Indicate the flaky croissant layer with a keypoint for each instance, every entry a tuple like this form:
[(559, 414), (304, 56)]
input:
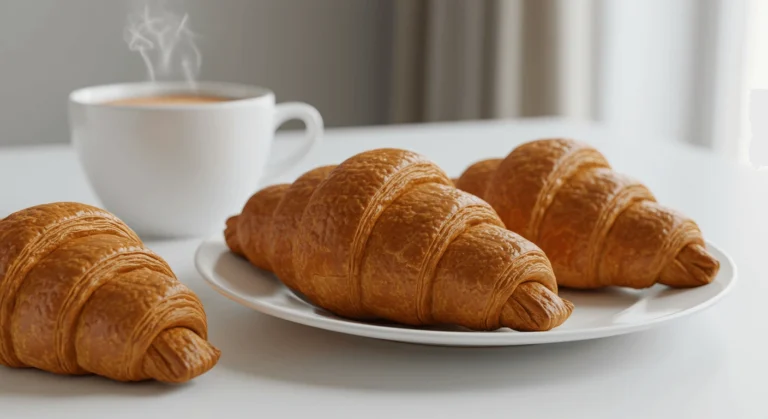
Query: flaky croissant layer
[(385, 235), (80, 294), (598, 227)]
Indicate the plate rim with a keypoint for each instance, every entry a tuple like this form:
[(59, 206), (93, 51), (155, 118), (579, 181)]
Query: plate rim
[(445, 337)]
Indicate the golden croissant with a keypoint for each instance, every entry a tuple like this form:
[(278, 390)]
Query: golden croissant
[(80, 294), (386, 236), (598, 227)]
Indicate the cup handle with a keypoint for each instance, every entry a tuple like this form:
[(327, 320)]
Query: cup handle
[(314, 127)]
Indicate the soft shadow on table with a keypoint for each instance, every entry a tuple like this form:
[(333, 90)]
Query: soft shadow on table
[(270, 348), (35, 383)]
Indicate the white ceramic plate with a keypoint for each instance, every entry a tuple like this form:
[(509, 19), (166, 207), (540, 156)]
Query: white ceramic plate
[(597, 314)]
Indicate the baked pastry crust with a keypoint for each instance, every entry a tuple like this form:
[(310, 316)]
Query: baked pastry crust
[(385, 235), (598, 227), (80, 294)]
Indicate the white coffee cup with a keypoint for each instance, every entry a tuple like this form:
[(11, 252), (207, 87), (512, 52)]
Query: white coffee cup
[(179, 170)]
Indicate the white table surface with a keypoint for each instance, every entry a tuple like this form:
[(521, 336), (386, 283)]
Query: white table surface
[(711, 365)]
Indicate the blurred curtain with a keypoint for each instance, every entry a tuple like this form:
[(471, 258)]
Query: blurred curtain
[(456, 59), (667, 69)]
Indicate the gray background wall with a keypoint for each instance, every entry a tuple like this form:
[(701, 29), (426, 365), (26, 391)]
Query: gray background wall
[(333, 54), (656, 70)]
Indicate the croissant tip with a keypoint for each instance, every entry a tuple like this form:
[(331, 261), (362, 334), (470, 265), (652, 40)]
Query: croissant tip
[(568, 306), (230, 234), (694, 266), (535, 308), (179, 355)]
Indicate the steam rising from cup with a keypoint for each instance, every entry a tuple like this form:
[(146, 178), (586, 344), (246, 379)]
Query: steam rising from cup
[(165, 43)]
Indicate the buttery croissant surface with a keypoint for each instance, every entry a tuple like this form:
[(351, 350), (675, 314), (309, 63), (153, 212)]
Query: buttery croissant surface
[(80, 294), (598, 227), (385, 235)]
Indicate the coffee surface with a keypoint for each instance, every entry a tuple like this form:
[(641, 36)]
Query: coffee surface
[(168, 100)]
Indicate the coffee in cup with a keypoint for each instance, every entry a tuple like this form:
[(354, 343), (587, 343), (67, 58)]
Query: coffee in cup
[(177, 99)]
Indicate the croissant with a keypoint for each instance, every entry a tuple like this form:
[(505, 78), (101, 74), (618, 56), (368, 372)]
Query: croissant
[(598, 227), (386, 236), (79, 294)]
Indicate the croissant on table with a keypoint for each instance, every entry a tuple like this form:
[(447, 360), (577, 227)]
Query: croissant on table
[(598, 227), (80, 294), (386, 236)]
